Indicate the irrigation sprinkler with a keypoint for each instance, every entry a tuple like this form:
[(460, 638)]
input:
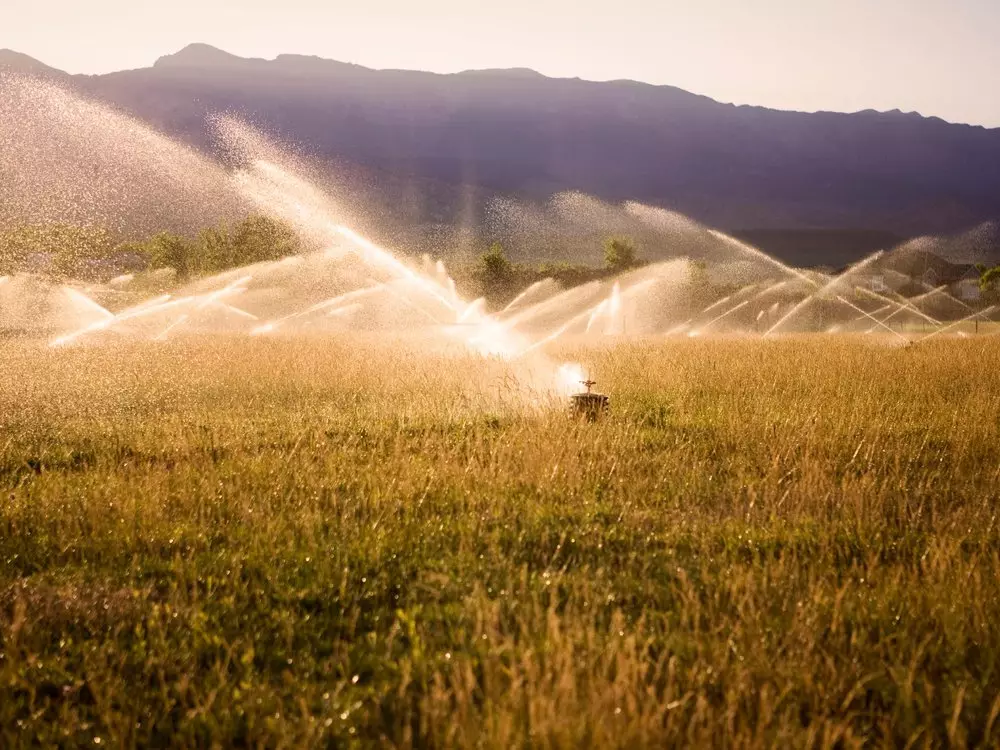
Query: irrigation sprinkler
[(588, 404)]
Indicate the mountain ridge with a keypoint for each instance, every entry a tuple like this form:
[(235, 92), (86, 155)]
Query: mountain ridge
[(10, 58), (519, 132)]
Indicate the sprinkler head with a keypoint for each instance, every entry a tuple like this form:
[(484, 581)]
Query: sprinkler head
[(589, 405)]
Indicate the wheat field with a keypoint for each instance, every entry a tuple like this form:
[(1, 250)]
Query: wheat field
[(300, 542)]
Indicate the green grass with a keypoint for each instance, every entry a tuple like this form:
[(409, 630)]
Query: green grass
[(337, 542)]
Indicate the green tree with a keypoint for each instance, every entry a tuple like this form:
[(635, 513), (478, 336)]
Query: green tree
[(619, 253), (495, 275), (494, 267), (988, 280), (261, 238), (255, 239), (214, 251), (166, 250)]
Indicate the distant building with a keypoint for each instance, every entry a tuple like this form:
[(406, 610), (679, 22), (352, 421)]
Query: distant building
[(968, 290), (967, 286), (878, 284)]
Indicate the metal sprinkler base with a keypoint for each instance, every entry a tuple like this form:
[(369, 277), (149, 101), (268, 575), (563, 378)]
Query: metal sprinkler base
[(588, 405)]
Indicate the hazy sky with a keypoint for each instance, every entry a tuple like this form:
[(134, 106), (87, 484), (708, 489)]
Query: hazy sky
[(938, 57)]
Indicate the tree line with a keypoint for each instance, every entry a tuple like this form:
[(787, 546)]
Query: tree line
[(989, 279), (96, 253), (496, 278)]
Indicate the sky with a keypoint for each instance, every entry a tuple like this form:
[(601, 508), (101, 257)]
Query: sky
[(936, 57)]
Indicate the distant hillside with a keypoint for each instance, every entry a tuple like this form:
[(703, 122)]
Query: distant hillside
[(20, 63), (438, 146)]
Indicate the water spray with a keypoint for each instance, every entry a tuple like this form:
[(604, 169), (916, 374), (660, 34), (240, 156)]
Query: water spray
[(975, 316), (872, 317)]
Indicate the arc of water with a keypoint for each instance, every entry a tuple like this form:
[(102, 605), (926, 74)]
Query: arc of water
[(79, 296), (935, 290), (728, 298), (976, 314), (551, 302), (520, 298), (726, 314), (871, 314), (387, 260), (913, 300), (346, 309), (596, 314), (714, 305), (872, 317), (155, 305), (318, 307), (561, 330), (236, 310), (615, 323), (822, 290), (689, 321), (901, 305), (941, 290), (587, 314), (162, 336), (475, 309), (307, 206), (890, 316), (206, 300), (764, 292), (215, 303), (417, 308), (143, 308), (234, 287), (750, 249)]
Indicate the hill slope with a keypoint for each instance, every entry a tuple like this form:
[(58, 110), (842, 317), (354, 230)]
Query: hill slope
[(516, 131)]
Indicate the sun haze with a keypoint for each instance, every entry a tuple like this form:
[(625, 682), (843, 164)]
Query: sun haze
[(932, 56)]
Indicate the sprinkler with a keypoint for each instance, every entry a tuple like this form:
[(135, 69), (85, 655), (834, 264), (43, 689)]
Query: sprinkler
[(589, 405)]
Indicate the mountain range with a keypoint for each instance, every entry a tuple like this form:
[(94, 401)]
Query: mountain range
[(440, 146)]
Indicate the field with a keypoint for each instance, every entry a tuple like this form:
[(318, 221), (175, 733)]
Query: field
[(295, 542)]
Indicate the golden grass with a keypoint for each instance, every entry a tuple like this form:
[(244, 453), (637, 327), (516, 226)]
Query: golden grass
[(294, 542)]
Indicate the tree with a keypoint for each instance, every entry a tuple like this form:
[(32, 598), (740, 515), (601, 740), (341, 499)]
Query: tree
[(494, 273), (619, 254), (988, 279), (167, 250), (495, 264), (255, 239), (214, 251), (261, 238), (494, 268), (93, 252)]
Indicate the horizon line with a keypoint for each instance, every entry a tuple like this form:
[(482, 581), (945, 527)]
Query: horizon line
[(896, 111)]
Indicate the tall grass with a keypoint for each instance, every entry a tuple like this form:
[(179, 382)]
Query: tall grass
[(295, 542)]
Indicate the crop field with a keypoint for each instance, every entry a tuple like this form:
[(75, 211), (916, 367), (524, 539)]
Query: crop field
[(344, 541)]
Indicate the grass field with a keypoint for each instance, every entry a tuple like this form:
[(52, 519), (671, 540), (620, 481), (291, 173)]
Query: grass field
[(301, 542)]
